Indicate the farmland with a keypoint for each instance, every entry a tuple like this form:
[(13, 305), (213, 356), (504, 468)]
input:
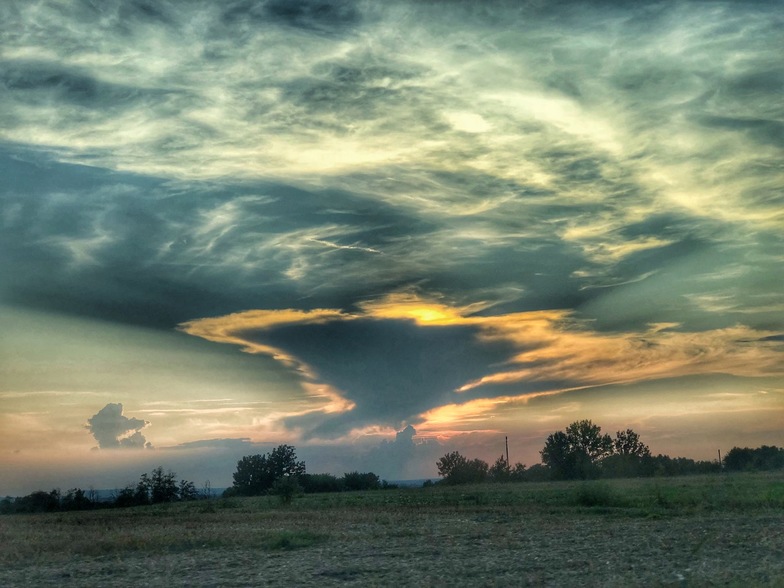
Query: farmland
[(706, 530)]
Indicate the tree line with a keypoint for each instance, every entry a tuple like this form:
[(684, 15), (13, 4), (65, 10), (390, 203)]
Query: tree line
[(154, 488), (280, 473), (582, 452)]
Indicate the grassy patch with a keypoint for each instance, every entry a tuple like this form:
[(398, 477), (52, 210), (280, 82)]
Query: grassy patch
[(287, 540), (597, 494)]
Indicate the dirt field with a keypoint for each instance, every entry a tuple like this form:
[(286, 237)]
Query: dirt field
[(401, 538)]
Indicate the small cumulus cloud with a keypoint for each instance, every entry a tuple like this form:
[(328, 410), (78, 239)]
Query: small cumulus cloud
[(112, 429)]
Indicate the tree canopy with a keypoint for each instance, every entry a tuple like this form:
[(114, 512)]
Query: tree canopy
[(576, 452), (256, 474), (458, 469)]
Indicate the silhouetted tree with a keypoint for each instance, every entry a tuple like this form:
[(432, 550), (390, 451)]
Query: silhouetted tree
[(358, 481), (156, 487), (632, 457), (457, 469), (628, 443), (664, 465), (187, 491), (500, 471), (538, 473), (575, 453), (38, 501), (141, 495), (162, 486), (255, 474), (312, 483), (449, 463), (518, 472), (763, 458), (125, 497), (76, 499)]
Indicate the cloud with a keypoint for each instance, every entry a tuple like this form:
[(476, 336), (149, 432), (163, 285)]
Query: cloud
[(519, 189), (403, 458), (406, 359), (112, 429)]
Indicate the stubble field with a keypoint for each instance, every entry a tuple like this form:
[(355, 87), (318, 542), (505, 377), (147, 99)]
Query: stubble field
[(699, 531)]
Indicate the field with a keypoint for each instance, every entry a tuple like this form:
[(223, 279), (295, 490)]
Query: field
[(696, 531)]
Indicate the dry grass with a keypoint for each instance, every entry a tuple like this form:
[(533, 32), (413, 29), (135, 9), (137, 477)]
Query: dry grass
[(696, 531)]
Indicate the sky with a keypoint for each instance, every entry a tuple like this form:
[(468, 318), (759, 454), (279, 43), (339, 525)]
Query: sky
[(383, 231)]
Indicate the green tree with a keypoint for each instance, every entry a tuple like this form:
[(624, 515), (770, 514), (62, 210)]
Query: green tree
[(256, 474)]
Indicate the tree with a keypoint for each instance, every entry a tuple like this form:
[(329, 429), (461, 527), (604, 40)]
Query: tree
[(256, 474), (162, 486), (361, 481), (457, 469), (762, 458), (628, 443), (588, 439), (631, 457), (312, 483), (559, 456), (286, 488), (500, 470), (75, 499), (38, 501), (449, 463), (187, 491), (518, 473), (141, 495), (575, 452)]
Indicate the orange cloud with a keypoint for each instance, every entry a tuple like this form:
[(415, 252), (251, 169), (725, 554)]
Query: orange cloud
[(552, 346)]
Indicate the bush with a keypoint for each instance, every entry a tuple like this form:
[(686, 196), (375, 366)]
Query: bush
[(286, 488)]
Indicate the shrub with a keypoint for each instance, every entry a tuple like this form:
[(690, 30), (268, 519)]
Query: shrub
[(286, 488)]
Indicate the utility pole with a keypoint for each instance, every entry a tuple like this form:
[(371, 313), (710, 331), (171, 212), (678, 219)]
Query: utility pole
[(721, 466), (506, 439)]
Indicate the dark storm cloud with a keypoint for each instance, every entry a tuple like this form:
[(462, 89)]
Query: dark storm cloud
[(391, 370), (135, 249), (113, 430)]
